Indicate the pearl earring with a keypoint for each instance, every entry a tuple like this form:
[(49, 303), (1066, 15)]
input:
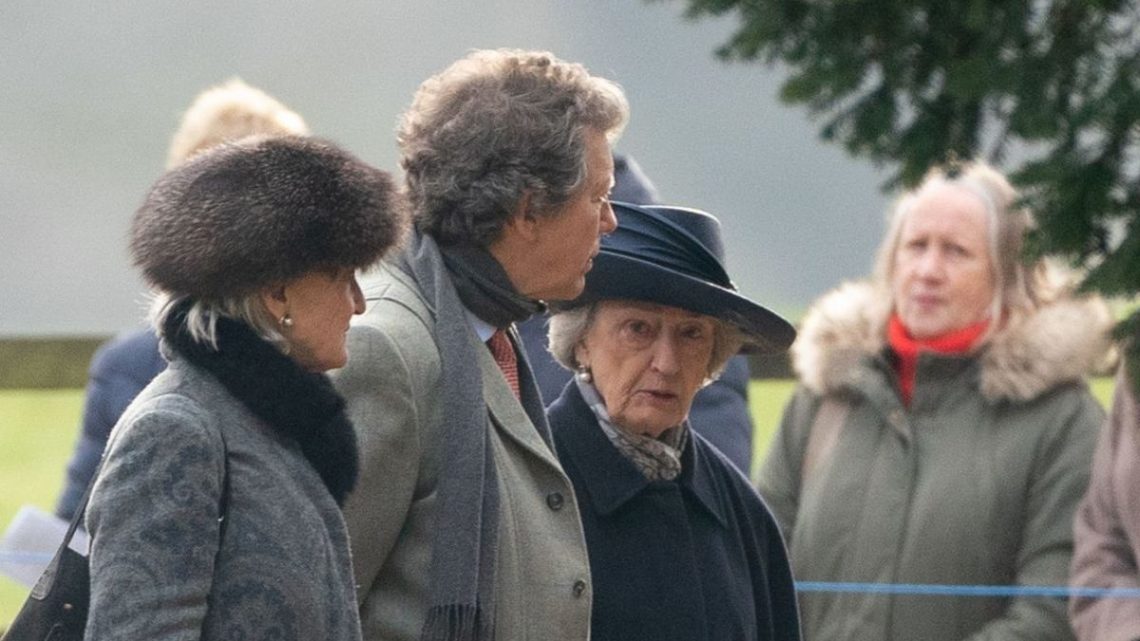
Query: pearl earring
[(286, 321), (584, 374)]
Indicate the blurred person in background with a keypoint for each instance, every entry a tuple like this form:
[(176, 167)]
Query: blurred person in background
[(942, 430), (1107, 526), (216, 513), (720, 411), (124, 365), (681, 545), (455, 526)]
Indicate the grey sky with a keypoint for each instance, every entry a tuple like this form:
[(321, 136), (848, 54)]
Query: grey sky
[(91, 93)]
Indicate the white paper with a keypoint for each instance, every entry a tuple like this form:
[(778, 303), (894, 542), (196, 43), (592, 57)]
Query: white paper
[(31, 541)]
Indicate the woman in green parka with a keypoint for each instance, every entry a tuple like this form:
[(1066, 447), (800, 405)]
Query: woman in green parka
[(942, 431)]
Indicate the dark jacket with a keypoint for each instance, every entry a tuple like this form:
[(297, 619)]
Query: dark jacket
[(120, 369), (719, 412), (696, 558)]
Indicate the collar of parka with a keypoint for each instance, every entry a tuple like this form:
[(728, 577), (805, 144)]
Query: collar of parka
[(1061, 342)]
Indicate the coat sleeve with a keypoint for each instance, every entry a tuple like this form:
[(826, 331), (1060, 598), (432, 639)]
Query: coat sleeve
[(1060, 476), (153, 518), (383, 403), (779, 478), (1102, 555)]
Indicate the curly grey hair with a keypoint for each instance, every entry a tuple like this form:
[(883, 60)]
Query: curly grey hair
[(569, 328), (494, 126)]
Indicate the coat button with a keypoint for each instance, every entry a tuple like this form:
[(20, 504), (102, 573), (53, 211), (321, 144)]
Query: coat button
[(579, 588), (555, 501)]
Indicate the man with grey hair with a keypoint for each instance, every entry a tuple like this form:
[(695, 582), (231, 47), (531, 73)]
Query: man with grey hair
[(463, 524)]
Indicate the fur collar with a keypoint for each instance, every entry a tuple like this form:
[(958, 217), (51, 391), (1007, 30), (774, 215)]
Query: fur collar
[(1062, 342), (296, 403)]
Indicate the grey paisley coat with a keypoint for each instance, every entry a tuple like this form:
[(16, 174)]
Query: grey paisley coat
[(280, 569)]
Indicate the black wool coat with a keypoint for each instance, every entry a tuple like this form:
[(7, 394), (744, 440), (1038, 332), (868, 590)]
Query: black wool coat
[(697, 558)]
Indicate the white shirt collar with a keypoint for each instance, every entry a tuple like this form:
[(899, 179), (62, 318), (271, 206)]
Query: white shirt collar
[(482, 328)]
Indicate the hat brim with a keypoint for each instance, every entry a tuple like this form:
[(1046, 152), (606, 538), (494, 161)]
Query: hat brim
[(617, 276)]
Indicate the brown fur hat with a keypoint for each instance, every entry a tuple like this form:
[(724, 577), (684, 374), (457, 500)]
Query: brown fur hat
[(252, 214)]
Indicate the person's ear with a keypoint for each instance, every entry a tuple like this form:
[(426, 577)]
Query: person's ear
[(275, 299), (582, 354), (522, 221)]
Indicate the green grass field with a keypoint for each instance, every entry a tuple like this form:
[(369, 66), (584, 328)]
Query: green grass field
[(38, 430)]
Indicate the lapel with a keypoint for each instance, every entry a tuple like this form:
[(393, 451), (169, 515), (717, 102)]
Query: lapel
[(608, 476), (507, 413)]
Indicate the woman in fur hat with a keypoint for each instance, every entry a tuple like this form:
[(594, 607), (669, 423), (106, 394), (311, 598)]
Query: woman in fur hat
[(123, 366), (942, 430), (681, 547), (216, 512)]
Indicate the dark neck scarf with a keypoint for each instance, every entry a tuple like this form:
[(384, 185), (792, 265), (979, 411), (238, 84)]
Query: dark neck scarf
[(298, 404), (461, 581), (907, 349), (484, 287)]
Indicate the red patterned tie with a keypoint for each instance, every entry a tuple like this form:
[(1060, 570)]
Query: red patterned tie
[(504, 354)]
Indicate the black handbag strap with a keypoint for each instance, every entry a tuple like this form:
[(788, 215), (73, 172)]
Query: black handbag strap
[(58, 605), (77, 517)]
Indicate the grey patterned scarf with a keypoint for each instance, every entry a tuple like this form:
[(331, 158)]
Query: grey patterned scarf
[(659, 459)]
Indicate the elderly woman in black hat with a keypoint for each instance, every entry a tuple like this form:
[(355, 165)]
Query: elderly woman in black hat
[(680, 545), (216, 512)]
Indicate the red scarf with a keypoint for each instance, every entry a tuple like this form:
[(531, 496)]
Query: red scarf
[(958, 341)]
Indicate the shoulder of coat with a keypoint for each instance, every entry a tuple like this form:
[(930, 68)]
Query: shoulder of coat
[(1061, 342), (840, 329)]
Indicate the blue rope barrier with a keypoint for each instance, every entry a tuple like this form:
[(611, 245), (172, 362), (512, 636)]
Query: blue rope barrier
[(923, 589), (927, 589)]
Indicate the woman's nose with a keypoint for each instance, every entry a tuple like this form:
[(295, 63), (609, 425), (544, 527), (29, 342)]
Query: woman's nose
[(931, 264), (665, 356)]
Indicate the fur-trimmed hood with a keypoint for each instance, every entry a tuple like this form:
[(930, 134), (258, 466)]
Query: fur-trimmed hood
[(1062, 342)]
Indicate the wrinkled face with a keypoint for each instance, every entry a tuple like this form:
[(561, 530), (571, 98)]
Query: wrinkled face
[(648, 362), (321, 303), (567, 241), (943, 276)]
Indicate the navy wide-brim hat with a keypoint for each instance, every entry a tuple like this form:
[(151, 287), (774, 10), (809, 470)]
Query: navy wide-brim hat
[(675, 256)]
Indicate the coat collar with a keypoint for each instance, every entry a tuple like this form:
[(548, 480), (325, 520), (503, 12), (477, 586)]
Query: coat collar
[(299, 405), (1060, 342), (521, 420), (612, 480)]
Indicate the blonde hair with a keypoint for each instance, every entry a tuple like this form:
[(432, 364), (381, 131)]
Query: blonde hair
[(227, 112)]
